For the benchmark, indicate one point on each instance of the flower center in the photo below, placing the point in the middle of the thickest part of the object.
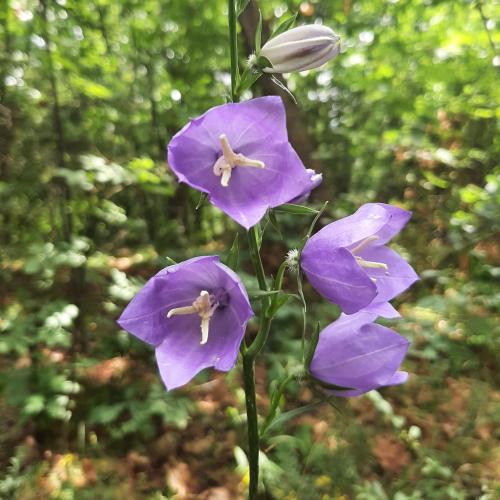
(204, 305)
(224, 165)
(367, 263)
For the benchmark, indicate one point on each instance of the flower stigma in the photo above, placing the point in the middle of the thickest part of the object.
(204, 305)
(224, 165)
(367, 263)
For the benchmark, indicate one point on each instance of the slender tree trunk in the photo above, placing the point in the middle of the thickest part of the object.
(66, 218)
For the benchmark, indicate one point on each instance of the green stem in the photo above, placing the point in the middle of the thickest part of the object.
(255, 256)
(249, 354)
(252, 425)
(233, 48)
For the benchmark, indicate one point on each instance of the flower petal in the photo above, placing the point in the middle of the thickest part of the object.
(398, 219)
(362, 358)
(256, 129)
(336, 275)
(367, 221)
(181, 356)
(174, 286)
(398, 277)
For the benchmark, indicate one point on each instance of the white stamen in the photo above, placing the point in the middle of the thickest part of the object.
(204, 307)
(364, 243)
(229, 160)
(370, 264)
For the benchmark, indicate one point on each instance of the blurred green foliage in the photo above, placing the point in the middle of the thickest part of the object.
(90, 94)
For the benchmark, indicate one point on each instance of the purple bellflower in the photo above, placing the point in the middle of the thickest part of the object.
(194, 314)
(355, 353)
(348, 263)
(239, 154)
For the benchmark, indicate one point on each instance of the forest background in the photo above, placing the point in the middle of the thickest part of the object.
(90, 94)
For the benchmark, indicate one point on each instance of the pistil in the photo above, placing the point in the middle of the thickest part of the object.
(204, 306)
(224, 165)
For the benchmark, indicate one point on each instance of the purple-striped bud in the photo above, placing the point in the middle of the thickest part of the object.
(301, 48)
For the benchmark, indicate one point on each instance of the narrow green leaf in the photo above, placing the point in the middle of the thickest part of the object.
(258, 34)
(312, 346)
(313, 223)
(274, 223)
(284, 88)
(201, 201)
(259, 294)
(284, 25)
(233, 256)
(288, 415)
(170, 262)
(241, 6)
(277, 303)
(290, 208)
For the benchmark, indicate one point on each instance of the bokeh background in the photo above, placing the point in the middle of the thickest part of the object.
(91, 92)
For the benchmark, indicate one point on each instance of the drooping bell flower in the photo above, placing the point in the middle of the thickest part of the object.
(355, 353)
(301, 48)
(239, 154)
(348, 263)
(194, 314)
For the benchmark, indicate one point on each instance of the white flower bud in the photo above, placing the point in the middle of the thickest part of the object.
(301, 48)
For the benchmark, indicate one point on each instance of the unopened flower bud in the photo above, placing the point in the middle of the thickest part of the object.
(301, 48)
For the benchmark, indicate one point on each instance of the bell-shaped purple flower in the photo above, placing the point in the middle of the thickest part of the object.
(239, 154)
(355, 353)
(194, 314)
(348, 263)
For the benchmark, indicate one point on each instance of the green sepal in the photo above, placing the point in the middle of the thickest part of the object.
(248, 78)
(283, 87)
(170, 261)
(258, 34)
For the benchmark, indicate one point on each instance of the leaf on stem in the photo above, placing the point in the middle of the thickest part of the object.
(274, 223)
(233, 255)
(290, 208)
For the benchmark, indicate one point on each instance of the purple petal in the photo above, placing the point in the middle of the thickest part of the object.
(362, 358)
(397, 220)
(367, 221)
(314, 181)
(181, 356)
(398, 277)
(176, 286)
(384, 309)
(336, 275)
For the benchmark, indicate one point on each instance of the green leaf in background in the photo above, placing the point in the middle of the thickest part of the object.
(284, 25)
